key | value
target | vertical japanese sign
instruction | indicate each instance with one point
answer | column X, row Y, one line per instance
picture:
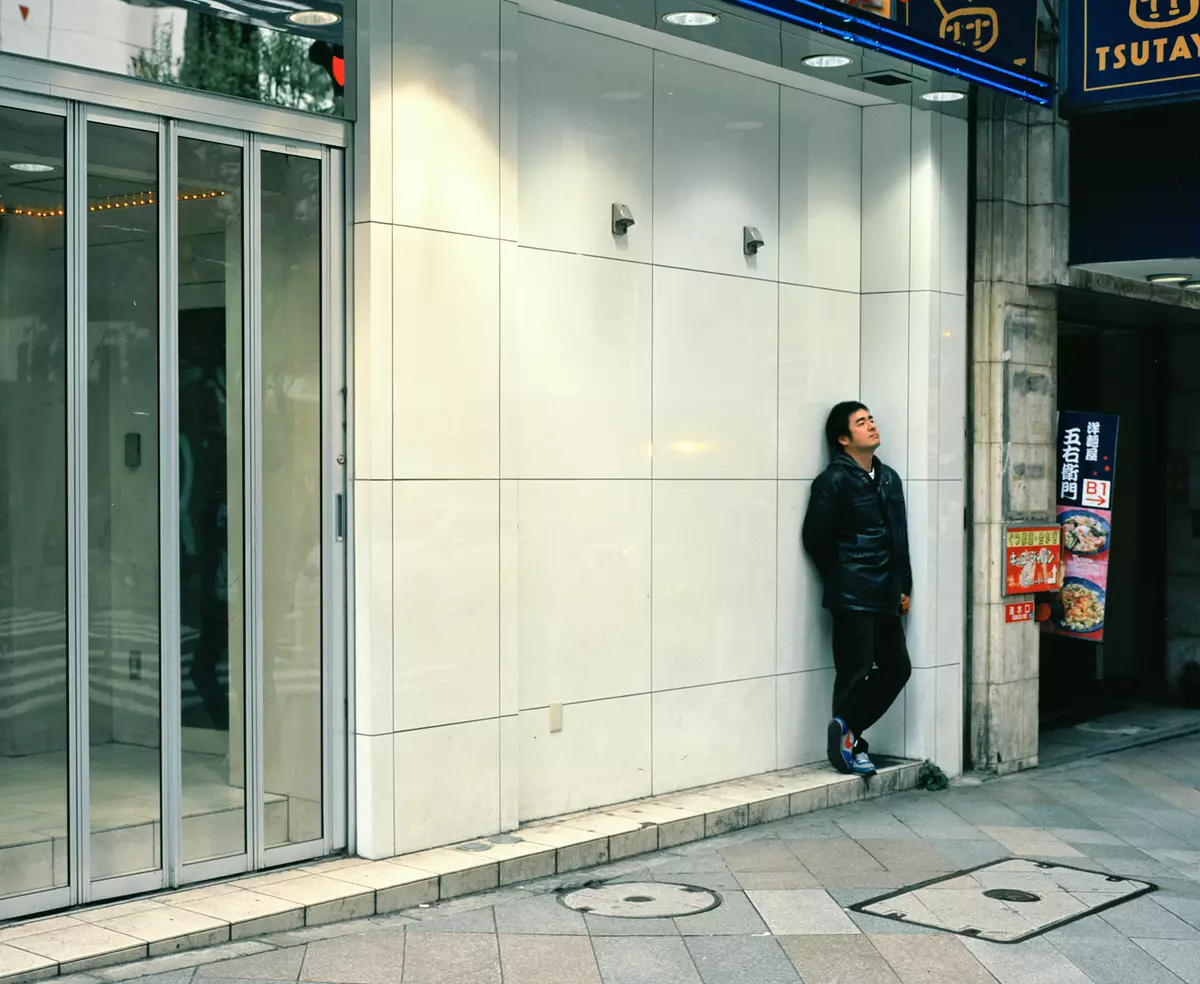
column 1087, row 461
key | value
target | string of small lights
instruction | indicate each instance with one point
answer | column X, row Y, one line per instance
column 108, row 204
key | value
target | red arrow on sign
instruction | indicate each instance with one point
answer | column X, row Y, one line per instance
column 24, row 12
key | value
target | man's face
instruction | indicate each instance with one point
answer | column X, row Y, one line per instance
column 864, row 435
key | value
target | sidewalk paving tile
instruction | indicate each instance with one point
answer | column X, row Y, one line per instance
column 451, row 958
column 934, row 959
column 283, row 965
column 1145, row 919
column 367, row 958
column 738, row 960
column 542, row 915
column 548, row 960
column 801, row 912
column 837, row 960
column 648, row 960
column 1181, row 957
column 1117, row 961
column 1032, row 962
column 735, row 916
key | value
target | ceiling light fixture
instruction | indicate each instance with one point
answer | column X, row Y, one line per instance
column 1168, row 278
column 691, row 18
column 1191, row 285
column 943, row 96
column 31, row 168
column 313, row 18
column 826, row 61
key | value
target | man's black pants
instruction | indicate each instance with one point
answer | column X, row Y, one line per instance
column 872, row 666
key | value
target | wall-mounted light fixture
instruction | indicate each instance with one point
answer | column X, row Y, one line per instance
column 622, row 219
column 752, row 240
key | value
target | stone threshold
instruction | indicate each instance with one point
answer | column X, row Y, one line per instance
column 341, row 889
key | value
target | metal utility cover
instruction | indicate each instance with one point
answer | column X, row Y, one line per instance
column 1007, row 901
column 641, row 900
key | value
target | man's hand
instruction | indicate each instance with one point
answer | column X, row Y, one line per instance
column 905, row 604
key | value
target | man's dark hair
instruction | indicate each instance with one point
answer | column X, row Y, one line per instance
column 838, row 424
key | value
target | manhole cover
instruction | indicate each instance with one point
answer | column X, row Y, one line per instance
column 641, row 900
column 1012, row 895
column 1006, row 901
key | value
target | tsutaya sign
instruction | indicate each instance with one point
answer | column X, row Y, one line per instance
column 1124, row 50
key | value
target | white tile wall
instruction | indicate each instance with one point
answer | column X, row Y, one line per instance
column 819, row 191
column 716, row 168
column 446, row 355
column 577, row 368
column 447, row 784
column 716, row 369
column 583, row 461
column 606, row 740
column 446, row 115
column 819, row 353
column 587, row 104
column 446, row 602
column 583, row 591
column 714, row 582
column 707, row 734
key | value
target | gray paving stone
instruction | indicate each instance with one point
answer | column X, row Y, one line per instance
column 738, row 960
column 982, row 811
column 800, row 913
column 735, row 916
column 937, row 959
column 777, row 879
column 1032, row 962
column 933, row 821
column 837, row 960
column 1114, row 961
column 1181, row 957
column 474, row 921
column 878, row 826
column 611, row 926
column 451, row 958
column 1087, row 928
column 1187, row 909
column 645, row 961
column 542, row 915
column 877, row 926
column 368, row 958
column 276, row 965
column 970, row 853
column 1145, row 919
column 718, row 881
column 909, row 855
column 760, row 855
column 548, row 960
column 1084, row 838
column 173, row 977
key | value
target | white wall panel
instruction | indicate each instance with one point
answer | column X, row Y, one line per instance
column 584, row 590
column 819, row 356
column 446, row 355
column 804, row 706
column 803, row 626
column 446, row 116
column 820, row 191
column 887, row 136
column 706, row 734
column 714, row 582
column 447, row 602
column 885, row 372
column 577, row 369
column 716, row 371
column 587, row 140
column 716, row 168
column 606, row 741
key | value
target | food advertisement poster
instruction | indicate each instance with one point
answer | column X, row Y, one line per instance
column 1087, row 462
column 1032, row 559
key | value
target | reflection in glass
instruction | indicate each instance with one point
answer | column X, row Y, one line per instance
column 33, row 507
column 291, row 495
column 210, row 500
column 123, row 533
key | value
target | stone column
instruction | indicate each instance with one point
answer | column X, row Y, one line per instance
column 1021, row 239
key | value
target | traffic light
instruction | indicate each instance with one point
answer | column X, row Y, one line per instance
column 332, row 58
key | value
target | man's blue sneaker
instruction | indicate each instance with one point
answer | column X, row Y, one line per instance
column 862, row 765
column 841, row 746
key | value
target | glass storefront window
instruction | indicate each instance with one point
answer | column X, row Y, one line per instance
column 277, row 52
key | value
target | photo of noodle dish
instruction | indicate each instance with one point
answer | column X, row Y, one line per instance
column 1084, row 532
column 1083, row 606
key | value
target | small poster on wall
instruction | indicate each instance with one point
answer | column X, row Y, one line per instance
column 1032, row 559
column 1087, row 462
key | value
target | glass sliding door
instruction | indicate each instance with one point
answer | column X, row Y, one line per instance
column 122, row 366
column 292, row 494
column 34, row 529
column 210, row 236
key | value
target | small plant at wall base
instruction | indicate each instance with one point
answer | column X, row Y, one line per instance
column 932, row 778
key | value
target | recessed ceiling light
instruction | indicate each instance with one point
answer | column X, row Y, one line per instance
column 827, row 61
column 1168, row 278
column 743, row 126
column 314, row 18
column 621, row 95
column 31, row 167
column 943, row 96
column 1192, row 285
column 691, row 18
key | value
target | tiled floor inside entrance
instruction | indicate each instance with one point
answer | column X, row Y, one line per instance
column 787, row 889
